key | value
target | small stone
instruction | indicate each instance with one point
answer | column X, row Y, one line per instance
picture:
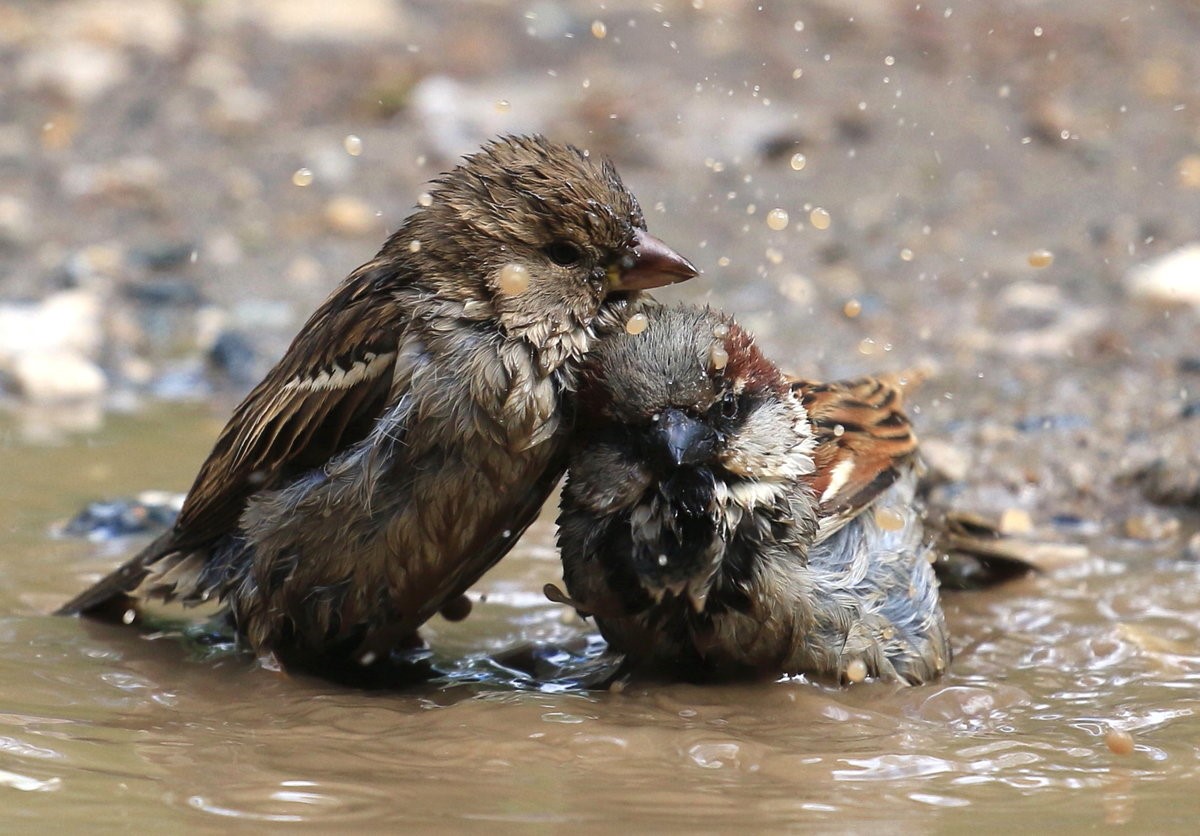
column 350, row 216
column 58, row 376
column 75, row 69
column 1151, row 526
column 947, row 462
column 1171, row 279
column 1015, row 522
column 68, row 321
column 16, row 225
column 1192, row 550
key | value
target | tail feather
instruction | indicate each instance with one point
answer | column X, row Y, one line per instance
column 110, row 597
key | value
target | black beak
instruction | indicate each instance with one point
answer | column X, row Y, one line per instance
column 653, row 264
column 683, row 439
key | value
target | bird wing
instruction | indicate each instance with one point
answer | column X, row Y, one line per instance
column 324, row 395
column 864, row 441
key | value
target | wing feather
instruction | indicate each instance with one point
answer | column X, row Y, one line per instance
column 863, row 441
column 332, row 384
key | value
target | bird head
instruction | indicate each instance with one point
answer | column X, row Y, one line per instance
column 699, row 428
column 539, row 236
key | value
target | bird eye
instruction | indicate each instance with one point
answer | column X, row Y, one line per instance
column 563, row 253
column 729, row 405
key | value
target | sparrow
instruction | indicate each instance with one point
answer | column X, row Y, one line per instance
column 417, row 422
column 720, row 518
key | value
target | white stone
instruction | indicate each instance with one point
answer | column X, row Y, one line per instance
column 79, row 70
column 1173, row 279
column 313, row 20
column 57, row 376
column 69, row 321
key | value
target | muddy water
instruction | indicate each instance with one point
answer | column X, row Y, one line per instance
column 101, row 724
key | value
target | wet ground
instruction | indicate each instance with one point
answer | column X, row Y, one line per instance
column 151, row 162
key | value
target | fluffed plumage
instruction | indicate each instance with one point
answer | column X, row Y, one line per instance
column 720, row 518
column 419, row 419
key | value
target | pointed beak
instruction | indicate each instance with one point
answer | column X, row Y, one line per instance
column 653, row 264
column 683, row 439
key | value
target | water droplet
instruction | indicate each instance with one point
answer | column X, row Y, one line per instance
column 1041, row 258
column 906, row 254
column 774, row 256
column 799, row 161
column 425, row 199
column 720, row 330
column 838, row 431
column 889, row 519
column 796, row 73
column 866, row 346
column 723, row 261
column 353, row 145
column 889, row 60
column 414, row 246
column 637, row 324
column 514, row 279
column 718, row 357
column 856, row 671
column 777, row 219
column 662, row 560
column 852, row 308
column 798, row 25
column 819, row 218
column 1119, row 742
column 129, row 616
column 302, row 177
column 599, row 30
column 503, row 106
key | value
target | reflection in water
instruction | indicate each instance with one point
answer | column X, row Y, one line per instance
column 173, row 727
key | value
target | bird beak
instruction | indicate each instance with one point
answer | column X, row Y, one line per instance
column 653, row 264
column 684, row 439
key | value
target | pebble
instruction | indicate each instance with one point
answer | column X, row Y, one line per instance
column 1172, row 279
column 149, row 513
column 1151, row 526
column 1015, row 522
column 74, row 69
column 347, row 215
column 16, row 223
column 947, row 462
column 57, row 376
column 313, row 20
column 68, row 321
column 1192, row 550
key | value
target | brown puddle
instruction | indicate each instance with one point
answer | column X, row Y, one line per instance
column 101, row 724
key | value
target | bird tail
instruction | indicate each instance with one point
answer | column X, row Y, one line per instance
column 110, row 598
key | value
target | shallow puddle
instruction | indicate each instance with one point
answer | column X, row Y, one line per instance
column 99, row 723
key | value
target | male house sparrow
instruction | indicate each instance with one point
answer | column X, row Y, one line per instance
column 419, row 419
column 720, row 518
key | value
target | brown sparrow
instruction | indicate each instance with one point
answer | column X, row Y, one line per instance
column 720, row 518
column 418, row 421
